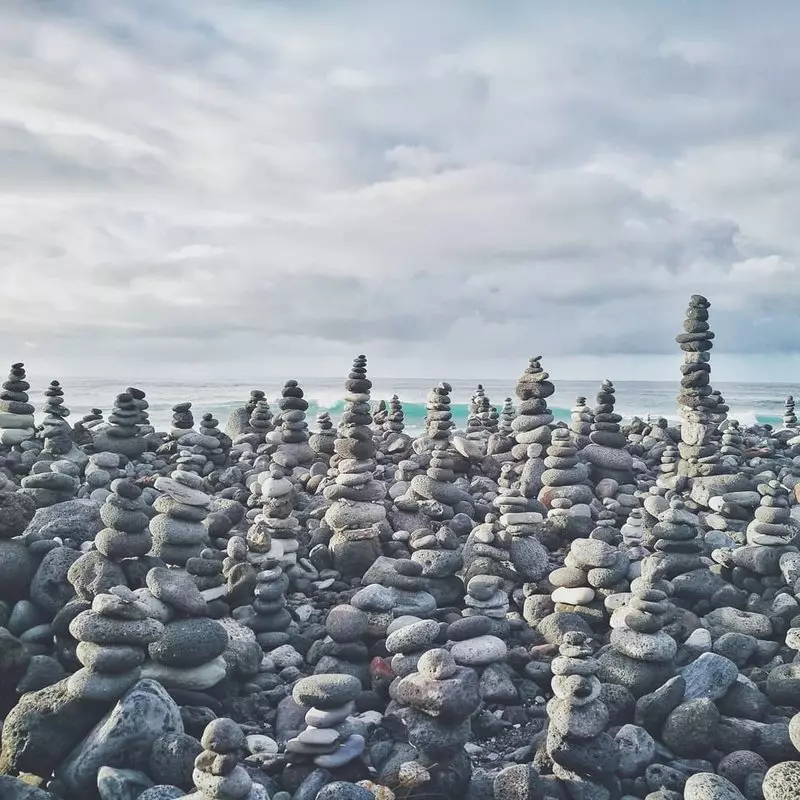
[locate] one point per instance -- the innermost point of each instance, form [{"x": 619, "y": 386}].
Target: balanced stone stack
[
  {"x": 439, "y": 553},
  {"x": 239, "y": 421},
  {"x": 214, "y": 443},
  {"x": 56, "y": 432},
  {"x": 403, "y": 579},
  {"x": 189, "y": 653},
  {"x": 438, "y": 417},
  {"x": 487, "y": 552},
  {"x": 357, "y": 499},
  {"x": 177, "y": 531},
  {"x": 789, "y": 417},
  {"x": 274, "y": 532},
  {"x": 125, "y": 516},
  {"x": 584, "y": 756},
  {"x": 773, "y": 531},
  {"x": 641, "y": 657},
  {"x": 343, "y": 651},
  {"x": 83, "y": 429},
  {"x": 581, "y": 419},
  {"x": 268, "y": 617},
  {"x": 217, "y": 774},
  {"x": 261, "y": 421},
  {"x": 439, "y": 700},
  {"x": 436, "y": 490},
  {"x": 606, "y": 449},
  {"x": 322, "y": 440},
  {"x": 16, "y": 413},
  {"x": 732, "y": 448},
  {"x": 206, "y": 569},
  {"x": 182, "y": 421},
  {"x": 112, "y": 639},
  {"x": 565, "y": 476},
  {"x": 140, "y": 401},
  {"x": 326, "y": 743},
  {"x": 668, "y": 468},
  {"x": 532, "y": 423},
  {"x": 479, "y": 419},
  {"x": 395, "y": 417},
  {"x": 593, "y": 570},
  {"x": 678, "y": 545},
  {"x": 698, "y": 451},
  {"x": 507, "y": 415},
  {"x": 408, "y": 638},
  {"x": 122, "y": 433},
  {"x": 517, "y": 529}
]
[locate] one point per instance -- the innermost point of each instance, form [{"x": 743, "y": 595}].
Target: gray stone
[
  {"x": 710, "y": 675},
  {"x": 189, "y": 643},
  {"x": 707, "y": 786},
  {"x": 72, "y": 519},
  {"x": 636, "y": 748},
  {"x": 50, "y": 587},
  {"x": 121, "y": 784},
  {"x": 124, "y": 738},
  {"x": 15, "y": 789},
  {"x": 326, "y": 691},
  {"x": 17, "y": 568},
  {"x": 172, "y": 757},
  {"x": 691, "y": 728}
]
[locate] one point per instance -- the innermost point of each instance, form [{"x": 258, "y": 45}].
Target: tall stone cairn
[{"x": 699, "y": 453}]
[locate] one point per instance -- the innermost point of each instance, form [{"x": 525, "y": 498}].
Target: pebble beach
[{"x": 518, "y": 589}]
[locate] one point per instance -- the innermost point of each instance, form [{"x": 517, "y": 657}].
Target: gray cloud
[{"x": 445, "y": 186}]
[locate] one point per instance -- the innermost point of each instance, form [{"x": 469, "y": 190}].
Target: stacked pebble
[
  {"x": 439, "y": 700},
  {"x": 16, "y": 413},
  {"x": 506, "y": 427},
  {"x": 177, "y": 531},
  {"x": 408, "y": 638},
  {"x": 789, "y": 417},
  {"x": 479, "y": 419},
  {"x": 238, "y": 423},
  {"x": 732, "y": 445},
  {"x": 125, "y": 516},
  {"x": 51, "y": 482},
  {"x": 532, "y": 423},
  {"x": 268, "y": 617},
  {"x": 668, "y": 469},
  {"x": 394, "y": 423},
  {"x": 357, "y": 507},
  {"x": 329, "y": 700},
  {"x": 518, "y": 530},
  {"x": 343, "y": 651},
  {"x": 678, "y": 542},
  {"x": 274, "y": 532},
  {"x": 261, "y": 420},
  {"x": 582, "y": 417},
  {"x": 404, "y": 582},
  {"x": 698, "y": 452},
  {"x": 122, "y": 433},
  {"x": 83, "y": 428},
  {"x": 606, "y": 451},
  {"x": 112, "y": 638},
  {"x": 100, "y": 471},
  {"x": 217, "y": 774},
  {"x": 206, "y": 569},
  {"x": 182, "y": 421},
  {"x": 211, "y": 443},
  {"x": 292, "y": 437},
  {"x": 439, "y": 553},
  {"x": 322, "y": 440},
  {"x": 564, "y": 475},
  {"x": 435, "y": 490},
  {"x": 584, "y": 755},
  {"x": 56, "y": 431},
  {"x": 486, "y": 552}
]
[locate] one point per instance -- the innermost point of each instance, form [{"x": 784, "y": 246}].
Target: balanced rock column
[
  {"x": 357, "y": 499},
  {"x": 532, "y": 423},
  {"x": 698, "y": 451},
  {"x": 606, "y": 451},
  {"x": 292, "y": 437},
  {"x": 16, "y": 413},
  {"x": 56, "y": 432},
  {"x": 122, "y": 434},
  {"x": 178, "y": 532}
]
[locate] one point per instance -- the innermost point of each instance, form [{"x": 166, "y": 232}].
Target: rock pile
[
  {"x": 16, "y": 413},
  {"x": 56, "y": 432},
  {"x": 532, "y": 423},
  {"x": 606, "y": 449},
  {"x": 122, "y": 433}
]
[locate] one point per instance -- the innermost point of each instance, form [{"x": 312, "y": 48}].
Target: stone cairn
[
  {"x": 206, "y": 569},
  {"x": 732, "y": 448},
  {"x": 584, "y": 755},
  {"x": 439, "y": 699},
  {"x": 292, "y": 437},
  {"x": 517, "y": 529},
  {"x": 343, "y": 651},
  {"x": 565, "y": 476},
  {"x": 124, "y": 513},
  {"x": 261, "y": 421},
  {"x": 177, "y": 530},
  {"x": 56, "y": 432},
  {"x": 379, "y": 413},
  {"x": 407, "y": 639},
  {"x": 356, "y": 498},
  {"x": 606, "y": 449},
  {"x": 100, "y": 471},
  {"x": 140, "y": 401},
  {"x": 789, "y": 417},
  {"x": 112, "y": 640},
  {"x": 668, "y": 469},
  {"x": 322, "y": 440},
  {"x": 479, "y": 419},
  {"x": 395, "y": 417},
  {"x": 698, "y": 451},
  {"x": 83, "y": 429},
  {"x": 771, "y": 532},
  {"x": 214, "y": 443},
  {"x": 532, "y": 423},
  {"x": 238, "y": 423},
  {"x": 439, "y": 553},
  {"x": 217, "y": 774},
  {"x": 268, "y": 617},
  {"x": 16, "y": 413},
  {"x": 506, "y": 427},
  {"x": 182, "y": 421},
  {"x": 273, "y": 536},
  {"x": 581, "y": 419},
  {"x": 122, "y": 433},
  {"x": 329, "y": 700}
]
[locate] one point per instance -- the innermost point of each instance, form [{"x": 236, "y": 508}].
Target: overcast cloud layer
[{"x": 450, "y": 187}]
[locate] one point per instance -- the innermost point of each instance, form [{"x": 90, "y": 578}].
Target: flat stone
[{"x": 479, "y": 651}]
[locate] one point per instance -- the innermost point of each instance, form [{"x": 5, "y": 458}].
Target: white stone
[
  {"x": 16, "y": 421},
  {"x": 181, "y": 493},
  {"x": 194, "y": 678},
  {"x": 260, "y": 744},
  {"x": 579, "y": 596}
]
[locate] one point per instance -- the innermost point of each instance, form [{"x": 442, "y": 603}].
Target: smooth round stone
[
  {"x": 322, "y": 737},
  {"x": 190, "y": 643},
  {"x": 223, "y": 735},
  {"x": 194, "y": 678},
  {"x": 469, "y": 628},
  {"x": 234, "y": 786},
  {"x": 90, "y": 685},
  {"x": 479, "y": 651},
  {"x": 345, "y": 623},
  {"x": 483, "y": 587},
  {"x": 350, "y": 749},
  {"x": 326, "y": 691},
  {"x": 413, "y": 637},
  {"x": 110, "y": 658},
  {"x": 117, "y": 545},
  {"x": 182, "y": 493},
  {"x": 327, "y": 718},
  {"x": 170, "y": 530},
  {"x": 260, "y": 744},
  {"x": 374, "y": 598},
  {"x": 575, "y": 597},
  {"x": 644, "y": 646},
  {"x": 568, "y": 578}
]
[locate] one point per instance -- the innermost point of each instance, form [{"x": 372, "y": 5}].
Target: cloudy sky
[{"x": 231, "y": 188}]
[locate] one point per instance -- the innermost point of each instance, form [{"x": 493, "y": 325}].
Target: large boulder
[
  {"x": 17, "y": 567},
  {"x": 72, "y": 519},
  {"x": 50, "y": 587},
  {"x": 123, "y": 738},
  {"x": 42, "y": 728}
]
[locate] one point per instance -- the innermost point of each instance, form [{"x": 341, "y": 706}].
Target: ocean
[{"x": 749, "y": 402}]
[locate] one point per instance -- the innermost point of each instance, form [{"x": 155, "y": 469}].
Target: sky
[{"x": 216, "y": 189}]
